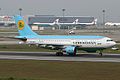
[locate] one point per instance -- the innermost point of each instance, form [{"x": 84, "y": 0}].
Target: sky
[{"x": 72, "y": 8}]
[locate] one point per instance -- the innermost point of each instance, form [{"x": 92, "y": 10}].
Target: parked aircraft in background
[
  {"x": 112, "y": 24},
  {"x": 63, "y": 43},
  {"x": 47, "y": 24},
  {"x": 88, "y": 24},
  {"x": 76, "y": 22}
]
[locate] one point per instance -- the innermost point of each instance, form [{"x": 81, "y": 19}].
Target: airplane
[
  {"x": 112, "y": 24},
  {"x": 87, "y": 24},
  {"x": 68, "y": 44},
  {"x": 73, "y": 23},
  {"x": 47, "y": 24}
]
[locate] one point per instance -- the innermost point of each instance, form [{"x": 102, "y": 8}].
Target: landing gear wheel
[
  {"x": 101, "y": 54},
  {"x": 59, "y": 53}
]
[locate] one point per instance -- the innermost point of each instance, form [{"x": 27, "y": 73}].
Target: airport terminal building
[{"x": 7, "y": 21}]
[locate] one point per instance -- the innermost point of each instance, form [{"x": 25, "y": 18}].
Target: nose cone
[{"x": 114, "y": 43}]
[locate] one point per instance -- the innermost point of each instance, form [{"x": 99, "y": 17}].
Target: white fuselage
[
  {"x": 81, "y": 43},
  {"x": 112, "y": 24}
]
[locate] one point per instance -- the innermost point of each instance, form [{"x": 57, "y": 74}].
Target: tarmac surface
[{"x": 50, "y": 56}]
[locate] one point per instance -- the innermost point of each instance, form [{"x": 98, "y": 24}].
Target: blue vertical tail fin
[{"x": 23, "y": 28}]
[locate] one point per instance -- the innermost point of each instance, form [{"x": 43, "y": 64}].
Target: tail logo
[{"x": 21, "y": 24}]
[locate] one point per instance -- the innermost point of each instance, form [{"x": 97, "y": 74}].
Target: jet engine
[{"x": 71, "y": 50}]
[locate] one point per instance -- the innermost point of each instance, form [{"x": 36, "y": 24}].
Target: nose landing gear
[{"x": 100, "y": 52}]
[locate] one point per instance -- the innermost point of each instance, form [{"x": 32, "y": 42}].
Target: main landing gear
[
  {"x": 101, "y": 54},
  {"x": 59, "y": 53}
]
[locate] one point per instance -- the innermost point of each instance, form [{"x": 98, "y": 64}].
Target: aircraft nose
[{"x": 114, "y": 43}]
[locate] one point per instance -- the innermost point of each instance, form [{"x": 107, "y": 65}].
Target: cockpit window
[{"x": 109, "y": 40}]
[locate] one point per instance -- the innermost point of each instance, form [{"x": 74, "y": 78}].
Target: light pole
[
  {"x": 0, "y": 9},
  {"x": 103, "y": 17},
  {"x": 63, "y": 12},
  {"x": 20, "y": 9}
]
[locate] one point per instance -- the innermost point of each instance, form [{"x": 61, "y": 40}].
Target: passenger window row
[{"x": 84, "y": 42}]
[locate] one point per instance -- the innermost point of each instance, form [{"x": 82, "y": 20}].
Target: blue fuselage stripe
[{"x": 64, "y": 37}]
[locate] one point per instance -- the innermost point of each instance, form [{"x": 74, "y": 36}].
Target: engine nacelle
[{"x": 71, "y": 50}]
